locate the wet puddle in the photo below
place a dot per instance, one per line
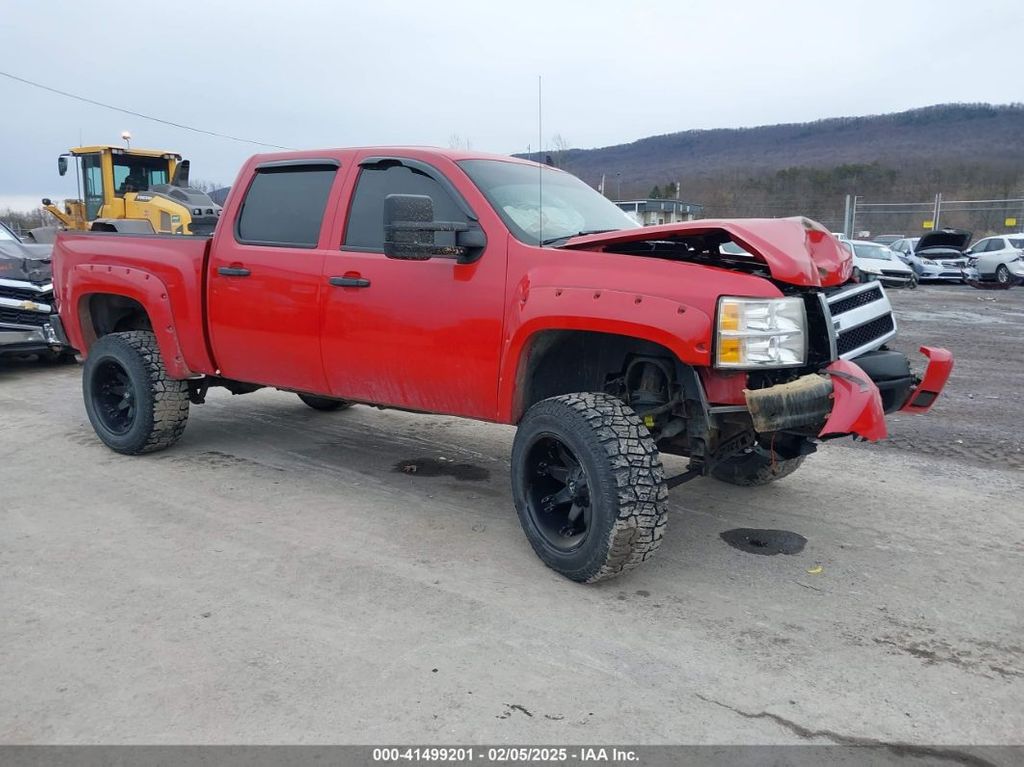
(764, 542)
(441, 467)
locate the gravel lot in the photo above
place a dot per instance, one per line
(274, 578)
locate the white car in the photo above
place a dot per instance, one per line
(998, 258)
(872, 261)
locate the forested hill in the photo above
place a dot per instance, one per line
(964, 151)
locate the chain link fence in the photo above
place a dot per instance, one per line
(911, 219)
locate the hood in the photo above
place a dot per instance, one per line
(19, 263)
(797, 251)
(953, 239)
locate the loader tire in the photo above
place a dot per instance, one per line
(588, 486)
(133, 405)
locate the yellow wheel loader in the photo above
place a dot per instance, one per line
(143, 191)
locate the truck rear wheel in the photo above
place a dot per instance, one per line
(758, 467)
(132, 403)
(588, 486)
(324, 403)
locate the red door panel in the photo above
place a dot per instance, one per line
(422, 335)
(265, 327)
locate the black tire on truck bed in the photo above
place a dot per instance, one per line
(590, 455)
(324, 403)
(755, 468)
(132, 403)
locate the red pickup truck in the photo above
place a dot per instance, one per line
(498, 289)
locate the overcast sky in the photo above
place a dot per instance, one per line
(314, 74)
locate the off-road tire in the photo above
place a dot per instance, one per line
(161, 402)
(626, 481)
(324, 403)
(755, 468)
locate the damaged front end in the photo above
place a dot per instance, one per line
(27, 303)
(845, 398)
(850, 381)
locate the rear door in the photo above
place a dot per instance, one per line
(423, 335)
(265, 278)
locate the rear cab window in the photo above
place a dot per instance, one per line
(284, 205)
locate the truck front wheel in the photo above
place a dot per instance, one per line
(132, 403)
(758, 467)
(588, 486)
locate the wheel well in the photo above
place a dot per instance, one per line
(565, 361)
(110, 313)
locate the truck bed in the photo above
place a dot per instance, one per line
(143, 267)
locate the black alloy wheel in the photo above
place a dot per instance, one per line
(113, 398)
(557, 493)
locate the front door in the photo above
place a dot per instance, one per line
(265, 279)
(422, 335)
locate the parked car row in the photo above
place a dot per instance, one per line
(944, 256)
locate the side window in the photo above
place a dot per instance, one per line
(365, 228)
(92, 176)
(984, 246)
(285, 206)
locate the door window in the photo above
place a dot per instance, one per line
(285, 206)
(92, 178)
(365, 228)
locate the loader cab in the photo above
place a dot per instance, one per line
(109, 172)
(137, 190)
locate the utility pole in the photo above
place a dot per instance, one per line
(846, 216)
(938, 210)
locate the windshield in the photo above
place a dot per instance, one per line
(879, 252)
(133, 173)
(7, 235)
(732, 249)
(569, 206)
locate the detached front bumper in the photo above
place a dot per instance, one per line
(847, 398)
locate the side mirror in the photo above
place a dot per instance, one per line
(969, 251)
(410, 229)
(62, 164)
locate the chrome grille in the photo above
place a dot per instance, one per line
(859, 319)
(23, 317)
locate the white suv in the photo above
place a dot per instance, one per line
(999, 258)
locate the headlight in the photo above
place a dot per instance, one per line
(928, 261)
(760, 332)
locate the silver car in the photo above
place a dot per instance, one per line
(936, 256)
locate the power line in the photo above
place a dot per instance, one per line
(139, 114)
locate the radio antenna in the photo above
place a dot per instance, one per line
(540, 164)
